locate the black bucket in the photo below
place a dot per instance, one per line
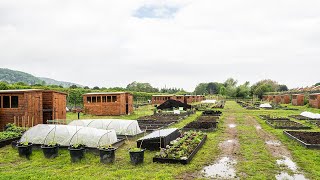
(107, 156)
(76, 154)
(25, 151)
(50, 151)
(137, 157)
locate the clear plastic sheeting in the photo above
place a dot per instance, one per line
(122, 127)
(266, 105)
(208, 101)
(310, 115)
(65, 135)
(159, 133)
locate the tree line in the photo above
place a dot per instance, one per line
(230, 88)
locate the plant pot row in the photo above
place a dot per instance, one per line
(107, 155)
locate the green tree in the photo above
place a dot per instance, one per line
(4, 86)
(243, 91)
(201, 88)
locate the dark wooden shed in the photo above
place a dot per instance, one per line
(108, 103)
(29, 107)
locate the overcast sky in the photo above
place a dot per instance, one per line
(174, 43)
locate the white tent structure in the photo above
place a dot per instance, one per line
(122, 127)
(209, 101)
(266, 105)
(310, 115)
(65, 135)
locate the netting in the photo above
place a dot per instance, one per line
(121, 127)
(65, 135)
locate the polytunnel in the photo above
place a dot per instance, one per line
(122, 127)
(66, 135)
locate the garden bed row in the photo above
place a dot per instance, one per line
(286, 124)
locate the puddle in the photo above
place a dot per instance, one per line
(286, 176)
(274, 143)
(288, 162)
(230, 141)
(223, 169)
(232, 125)
(258, 127)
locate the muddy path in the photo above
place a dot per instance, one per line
(224, 166)
(289, 169)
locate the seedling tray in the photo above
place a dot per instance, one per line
(8, 141)
(179, 161)
(284, 126)
(302, 141)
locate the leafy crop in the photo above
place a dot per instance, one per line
(182, 147)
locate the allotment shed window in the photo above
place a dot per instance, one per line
(14, 101)
(108, 98)
(0, 101)
(89, 99)
(94, 99)
(104, 99)
(6, 101)
(99, 99)
(114, 98)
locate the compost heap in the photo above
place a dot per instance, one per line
(170, 104)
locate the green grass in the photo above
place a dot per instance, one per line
(254, 160)
(14, 167)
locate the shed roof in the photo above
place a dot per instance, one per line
(27, 90)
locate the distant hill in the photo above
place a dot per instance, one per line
(50, 81)
(13, 76)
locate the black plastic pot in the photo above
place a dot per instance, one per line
(50, 151)
(25, 151)
(107, 156)
(76, 154)
(14, 144)
(137, 157)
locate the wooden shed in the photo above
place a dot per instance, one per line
(159, 99)
(29, 107)
(277, 99)
(108, 103)
(264, 97)
(285, 99)
(297, 99)
(314, 100)
(270, 98)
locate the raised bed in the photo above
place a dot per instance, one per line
(282, 124)
(151, 125)
(208, 118)
(165, 117)
(315, 122)
(152, 141)
(211, 113)
(182, 161)
(201, 126)
(8, 141)
(299, 117)
(310, 140)
(272, 118)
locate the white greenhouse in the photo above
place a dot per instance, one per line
(122, 127)
(65, 135)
